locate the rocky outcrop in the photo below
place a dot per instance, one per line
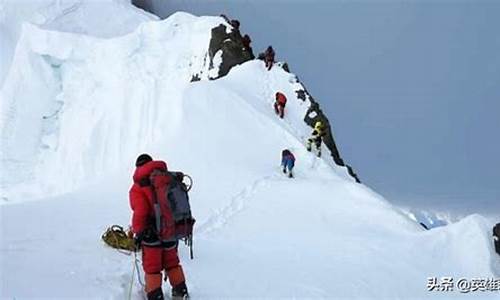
(229, 45)
(315, 114)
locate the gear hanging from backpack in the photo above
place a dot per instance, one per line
(172, 210)
(117, 238)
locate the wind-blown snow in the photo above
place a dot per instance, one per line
(75, 112)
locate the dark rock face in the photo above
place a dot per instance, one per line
(286, 67)
(195, 77)
(315, 114)
(232, 47)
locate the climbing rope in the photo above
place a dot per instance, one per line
(135, 266)
(136, 263)
(131, 281)
(118, 239)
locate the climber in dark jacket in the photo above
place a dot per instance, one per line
(246, 44)
(269, 57)
(287, 162)
(235, 23)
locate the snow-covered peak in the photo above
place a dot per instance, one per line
(76, 110)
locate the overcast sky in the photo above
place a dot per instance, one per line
(412, 88)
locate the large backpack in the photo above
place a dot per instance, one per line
(496, 237)
(173, 218)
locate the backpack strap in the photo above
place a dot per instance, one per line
(156, 204)
(157, 212)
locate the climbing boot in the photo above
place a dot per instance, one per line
(290, 175)
(284, 170)
(156, 294)
(180, 291)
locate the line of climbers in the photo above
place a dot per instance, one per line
(268, 56)
(155, 226)
(318, 132)
(287, 157)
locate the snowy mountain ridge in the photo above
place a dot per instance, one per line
(76, 110)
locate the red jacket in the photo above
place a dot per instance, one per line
(141, 197)
(280, 99)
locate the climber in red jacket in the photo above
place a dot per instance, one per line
(279, 104)
(156, 255)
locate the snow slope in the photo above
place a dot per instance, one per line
(350, 245)
(75, 112)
